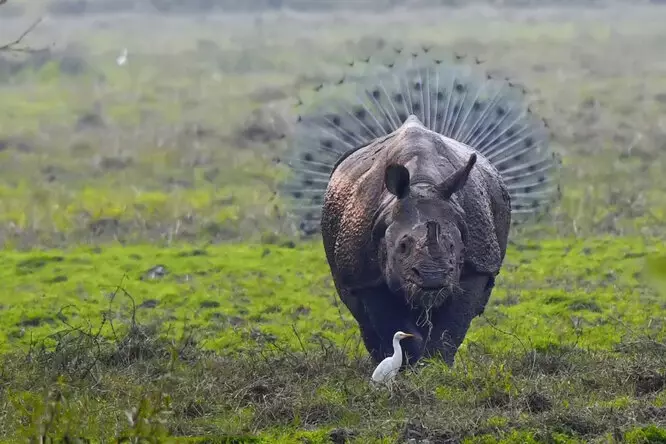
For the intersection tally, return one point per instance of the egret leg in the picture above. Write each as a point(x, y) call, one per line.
point(389, 386)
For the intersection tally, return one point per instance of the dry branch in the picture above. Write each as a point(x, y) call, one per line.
point(11, 46)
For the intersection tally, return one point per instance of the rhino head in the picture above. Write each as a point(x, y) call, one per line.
point(423, 249)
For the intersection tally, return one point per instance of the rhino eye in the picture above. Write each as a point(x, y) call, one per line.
point(402, 247)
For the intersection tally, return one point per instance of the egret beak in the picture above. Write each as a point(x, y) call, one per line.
point(408, 335)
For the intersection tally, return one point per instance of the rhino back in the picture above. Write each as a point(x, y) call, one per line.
point(355, 190)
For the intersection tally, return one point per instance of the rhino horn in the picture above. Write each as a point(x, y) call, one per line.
point(433, 232)
point(457, 180)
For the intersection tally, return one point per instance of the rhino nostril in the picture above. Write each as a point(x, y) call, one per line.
point(416, 273)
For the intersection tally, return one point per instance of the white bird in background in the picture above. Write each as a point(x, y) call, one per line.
point(122, 58)
point(389, 367)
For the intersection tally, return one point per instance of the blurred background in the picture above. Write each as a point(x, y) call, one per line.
point(163, 119)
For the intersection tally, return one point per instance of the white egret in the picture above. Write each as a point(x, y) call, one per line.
point(389, 367)
point(122, 58)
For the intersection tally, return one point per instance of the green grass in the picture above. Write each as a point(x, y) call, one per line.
point(107, 172)
point(558, 289)
point(251, 339)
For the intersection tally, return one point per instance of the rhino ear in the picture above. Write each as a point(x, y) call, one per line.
point(457, 180)
point(396, 179)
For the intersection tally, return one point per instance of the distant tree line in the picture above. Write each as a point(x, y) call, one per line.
point(79, 7)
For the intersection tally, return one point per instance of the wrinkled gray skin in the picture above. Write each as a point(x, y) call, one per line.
point(415, 227)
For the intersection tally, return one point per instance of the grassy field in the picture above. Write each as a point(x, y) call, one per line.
point(153, 287)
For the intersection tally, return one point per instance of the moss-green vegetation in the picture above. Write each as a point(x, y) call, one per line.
point(593, 290)
point(151, 286)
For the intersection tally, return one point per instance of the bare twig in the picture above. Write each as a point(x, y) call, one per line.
point(508, 333)
point(11, 46)
point(305, 351)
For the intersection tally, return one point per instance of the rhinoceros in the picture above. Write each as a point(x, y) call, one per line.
point(413, 186)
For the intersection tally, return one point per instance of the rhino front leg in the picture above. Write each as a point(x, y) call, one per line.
point(370, 338)
point(451, 322)
point(387, 315)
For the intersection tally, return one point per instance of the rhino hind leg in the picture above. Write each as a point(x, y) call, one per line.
point(451, 323)
point(483, 300)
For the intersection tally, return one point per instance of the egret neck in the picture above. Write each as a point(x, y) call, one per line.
point(396, 359)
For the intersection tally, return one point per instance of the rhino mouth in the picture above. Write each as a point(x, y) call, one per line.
point(431, 296)
point(430, 287)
